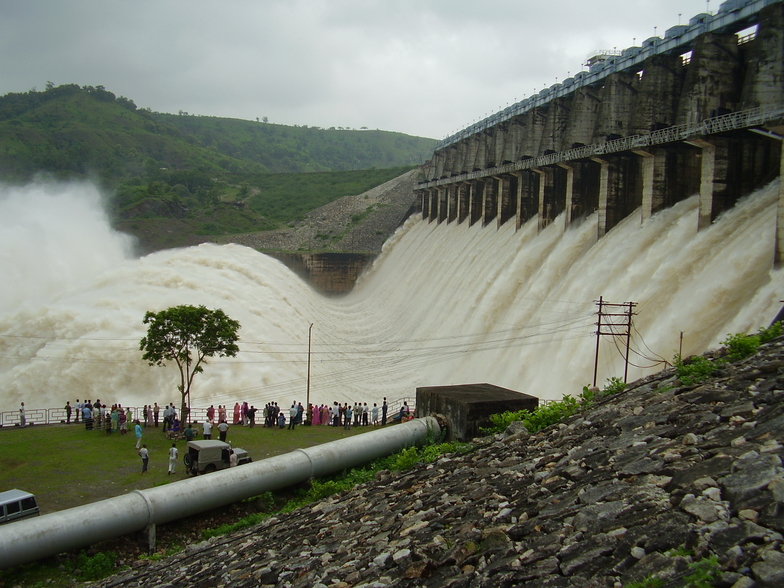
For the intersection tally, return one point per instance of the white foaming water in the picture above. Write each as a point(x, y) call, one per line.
point(441, 305)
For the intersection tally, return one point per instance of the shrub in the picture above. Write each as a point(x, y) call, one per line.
point(739, 346)
point(613, 386)
point(695, 369)
point(502, 420)
point(96, 566)
point(544, 416)
point(770, 333)
point(704, 572)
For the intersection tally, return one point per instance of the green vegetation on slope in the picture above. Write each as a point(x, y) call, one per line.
point(288, 149)
point(274, 201)
point(70, 131)
point(194, 175)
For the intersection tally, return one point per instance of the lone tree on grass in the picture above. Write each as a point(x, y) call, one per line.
point(187, 335)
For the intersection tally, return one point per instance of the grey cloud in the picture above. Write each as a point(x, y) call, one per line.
point(424, 67)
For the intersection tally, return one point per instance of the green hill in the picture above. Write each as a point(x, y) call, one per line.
point(192, 176)
point(71, 131)
point(288, 149)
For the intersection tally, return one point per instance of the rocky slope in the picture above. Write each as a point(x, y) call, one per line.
point(654, 481)
point(359, 223)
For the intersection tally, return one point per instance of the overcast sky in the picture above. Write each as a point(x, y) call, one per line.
point(422, 67)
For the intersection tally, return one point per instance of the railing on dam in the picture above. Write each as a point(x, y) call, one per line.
point(49, 416)
point(743, 119)
point(733, 16)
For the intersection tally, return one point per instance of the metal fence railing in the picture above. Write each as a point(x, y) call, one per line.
point(49, 416)
point(719, 124)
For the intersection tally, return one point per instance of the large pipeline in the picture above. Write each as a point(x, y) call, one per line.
point(32, 539)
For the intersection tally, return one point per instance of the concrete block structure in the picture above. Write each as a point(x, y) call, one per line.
point(467, 407)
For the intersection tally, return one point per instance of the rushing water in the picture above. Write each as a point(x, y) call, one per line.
point(441, 305)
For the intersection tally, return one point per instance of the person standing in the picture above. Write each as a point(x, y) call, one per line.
point(223, 428)
point(87, 416)
point(138, 430)
point(156, 411)
point(252, 416)
point(98, 413)
point(207, 429)
point(167, 418)
point(232, 459)
point(96, 417)
point(292, 416)
point(149, 421)
point(22, 417)
point(384, 412)
point(123, 419)
point(78, 407)
point(374, 414)
point(145, 455)
point(172, 458)
point(347, 418)
point(326, 415)
point(190, 433)
point(68, 411)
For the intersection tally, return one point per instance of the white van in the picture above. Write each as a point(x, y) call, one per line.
point(17, 504)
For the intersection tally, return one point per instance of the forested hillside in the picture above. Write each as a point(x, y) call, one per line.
point(298, 149)
point(192, 176)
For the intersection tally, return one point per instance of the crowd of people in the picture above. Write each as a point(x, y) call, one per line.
point(115, 418)
point(97, 416)
point(343, 415)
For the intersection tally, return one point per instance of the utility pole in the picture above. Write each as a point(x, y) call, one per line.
point(614, 324)
point(307, 395)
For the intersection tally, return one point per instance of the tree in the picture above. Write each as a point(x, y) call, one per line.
point(187, 335)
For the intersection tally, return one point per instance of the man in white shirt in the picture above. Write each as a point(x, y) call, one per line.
point(223, 427)
point(172, 458)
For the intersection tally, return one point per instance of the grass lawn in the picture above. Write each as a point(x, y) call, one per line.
point(67, 466)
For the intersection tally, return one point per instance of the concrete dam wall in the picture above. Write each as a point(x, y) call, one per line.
point(700, 111)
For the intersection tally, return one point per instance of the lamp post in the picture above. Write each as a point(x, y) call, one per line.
point(307, 394)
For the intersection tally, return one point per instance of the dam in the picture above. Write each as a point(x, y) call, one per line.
point(700, 111)
point(495, 281)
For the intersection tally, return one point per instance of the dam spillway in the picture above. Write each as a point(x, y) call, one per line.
point(486, 300)
point(468, 304)
point(700, 111)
